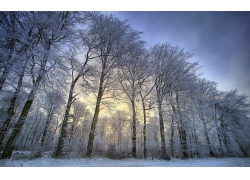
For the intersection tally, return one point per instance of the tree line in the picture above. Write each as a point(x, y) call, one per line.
point(51, 62)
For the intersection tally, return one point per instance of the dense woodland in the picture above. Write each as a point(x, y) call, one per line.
point(83, 84)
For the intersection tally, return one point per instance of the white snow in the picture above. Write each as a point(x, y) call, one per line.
point(104, 162)
point(103, 168)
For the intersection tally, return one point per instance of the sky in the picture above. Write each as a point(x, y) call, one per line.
point(219, 40)
point(218, 34)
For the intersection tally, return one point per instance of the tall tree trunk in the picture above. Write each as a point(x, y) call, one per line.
point(11, 109)
point(179, 126)
point(63, 134)
point(194, 136)
point(145, 151)
point(95, 118)
point(134, 155)
point(172, 124)
point(54, 133)
point(245, 152)
point(206, 135)
point(18, 126)
point(182, 130)
point(37, 127)
point(221, 151)
point(191, 147)
point(24, 146)
point(172, 137)
point(119, 139)
point(71, 133)
point(49, 117)
point(226, 142)
point(164, 153)
point(182, 136)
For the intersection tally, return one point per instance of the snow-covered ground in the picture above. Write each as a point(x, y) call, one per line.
point(104, 162)
point(103, 168)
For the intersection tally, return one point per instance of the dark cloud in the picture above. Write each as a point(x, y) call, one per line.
point(219, 40)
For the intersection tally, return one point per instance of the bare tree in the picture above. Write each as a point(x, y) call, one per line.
point(132, 75)
point(161, 54)
point(11, 108)
point(24, 44)
point(205, 91)
point(115, 39)
point(172, 72)
point(53, 101)
point(52, 27)
point(231, 115)
point(8, 29)
point(78, 69)
point(146, 87)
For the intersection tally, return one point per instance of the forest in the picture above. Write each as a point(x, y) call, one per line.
point(84, 84)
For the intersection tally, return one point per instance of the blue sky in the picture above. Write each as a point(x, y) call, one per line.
point(220, 41)
point(218, 34)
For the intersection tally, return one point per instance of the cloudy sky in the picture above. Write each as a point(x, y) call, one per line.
point(218, 34)
point(220, 41)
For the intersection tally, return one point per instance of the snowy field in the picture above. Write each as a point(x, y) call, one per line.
point(104, 162)
point(208, 168)
point(25, 161)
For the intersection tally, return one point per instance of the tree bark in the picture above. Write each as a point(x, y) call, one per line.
point(245, 152)
point(145, 151)
point(54, 133)
point(63, 134)
point(18, 126)
point(206, 136)
point(49, 117)
point(28, 134)
point(221, 151)
point(17, 129)
point(194, 136)
point(172, 137)
point(11, 109)
point(226, 142)
point(95, 118)
point(134, 154)
point(37, 127)
point(182, 131)
point(164, 153)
